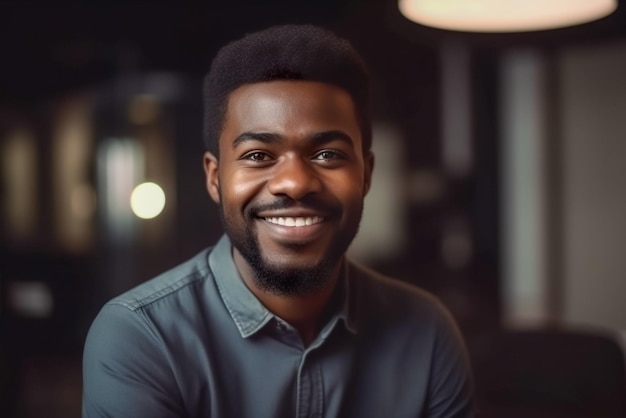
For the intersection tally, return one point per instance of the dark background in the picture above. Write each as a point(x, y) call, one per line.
point(51, 51)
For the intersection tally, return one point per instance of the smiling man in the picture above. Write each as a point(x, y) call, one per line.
point(274, 321)
point(290, 178)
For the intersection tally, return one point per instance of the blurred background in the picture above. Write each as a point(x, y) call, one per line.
point(499, 183)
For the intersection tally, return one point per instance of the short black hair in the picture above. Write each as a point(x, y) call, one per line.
point(287, 52)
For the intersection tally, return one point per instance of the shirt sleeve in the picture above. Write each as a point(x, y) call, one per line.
point(451, 392)
point(125, 369)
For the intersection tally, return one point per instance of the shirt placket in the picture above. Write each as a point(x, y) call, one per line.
point(310, 390)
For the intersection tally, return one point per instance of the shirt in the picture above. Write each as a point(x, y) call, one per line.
point(195, 342)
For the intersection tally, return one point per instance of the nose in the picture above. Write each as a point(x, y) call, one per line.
point(294, 177)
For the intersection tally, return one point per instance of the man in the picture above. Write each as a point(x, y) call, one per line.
point(274, 321)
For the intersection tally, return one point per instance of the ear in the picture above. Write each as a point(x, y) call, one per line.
point(368, 168)
point(212, 176)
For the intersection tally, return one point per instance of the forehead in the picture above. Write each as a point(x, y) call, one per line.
point(285, 107)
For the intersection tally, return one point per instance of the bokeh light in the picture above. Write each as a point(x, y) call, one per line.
point(147, 200)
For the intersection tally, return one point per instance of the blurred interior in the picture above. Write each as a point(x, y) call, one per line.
point(499, 184)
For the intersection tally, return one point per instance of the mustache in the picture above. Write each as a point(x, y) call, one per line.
point(285, 202)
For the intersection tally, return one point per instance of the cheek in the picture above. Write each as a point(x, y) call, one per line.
point(355, 200)
point(351, 200)
point(347, 187)
point(240, 188)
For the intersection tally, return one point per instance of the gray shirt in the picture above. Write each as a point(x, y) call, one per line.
point(195, 342)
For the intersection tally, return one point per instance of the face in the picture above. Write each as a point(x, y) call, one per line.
point(290, 179)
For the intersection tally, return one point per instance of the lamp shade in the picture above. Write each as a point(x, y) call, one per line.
point(504, 15)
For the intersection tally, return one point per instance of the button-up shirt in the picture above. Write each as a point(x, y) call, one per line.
point(195, 342)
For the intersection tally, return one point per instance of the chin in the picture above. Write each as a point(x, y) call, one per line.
point(288, 277)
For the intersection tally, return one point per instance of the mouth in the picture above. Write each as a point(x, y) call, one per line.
point(290, 230)
point(296, 222)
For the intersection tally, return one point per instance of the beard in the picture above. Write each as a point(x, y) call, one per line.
point(278, 279)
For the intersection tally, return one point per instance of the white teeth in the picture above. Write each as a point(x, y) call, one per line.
point(300, 221)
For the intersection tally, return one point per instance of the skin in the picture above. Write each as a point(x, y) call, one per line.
point(291, 150)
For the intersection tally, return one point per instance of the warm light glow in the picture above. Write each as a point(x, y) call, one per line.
point(18, 184)
point(83, 202)
point(147, 200)
point(504, 15)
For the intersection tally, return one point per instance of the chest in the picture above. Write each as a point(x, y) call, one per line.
point(271, 375)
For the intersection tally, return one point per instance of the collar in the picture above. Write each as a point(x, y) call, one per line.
point(246, 310)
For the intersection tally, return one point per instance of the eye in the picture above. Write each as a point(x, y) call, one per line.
point(328, 155)
point(256, 156)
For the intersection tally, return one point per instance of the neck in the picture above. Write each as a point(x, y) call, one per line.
point(306, 313)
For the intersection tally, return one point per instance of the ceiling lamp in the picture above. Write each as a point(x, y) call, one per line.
point(504, 15)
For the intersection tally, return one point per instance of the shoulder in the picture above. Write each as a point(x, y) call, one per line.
point(139, 320)
point(379, 302)
point(383, 292)
point(399, 314)
point(166, 285)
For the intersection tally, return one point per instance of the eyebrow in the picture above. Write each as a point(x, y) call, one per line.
point(269, 138)
point(265, 137)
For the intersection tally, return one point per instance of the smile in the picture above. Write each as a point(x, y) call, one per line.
point(295, 221)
